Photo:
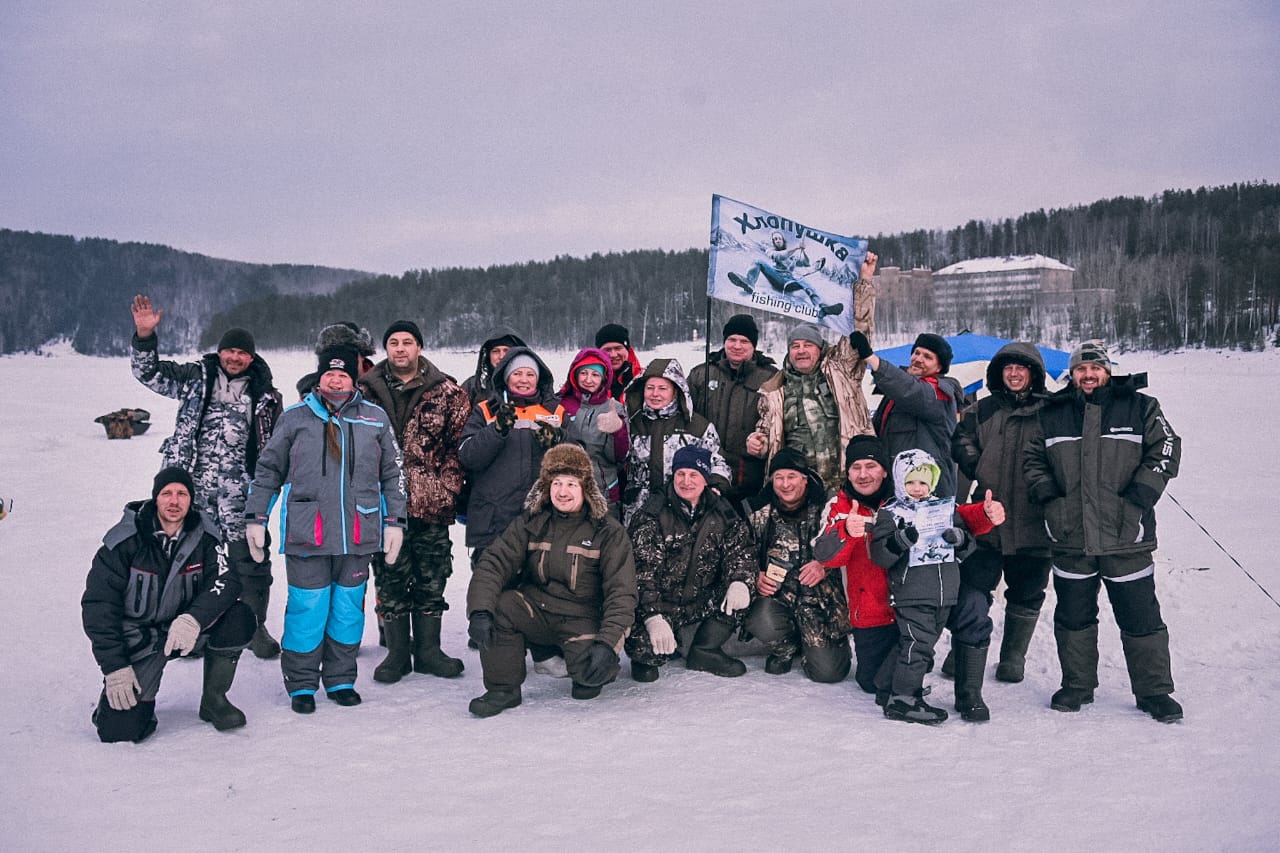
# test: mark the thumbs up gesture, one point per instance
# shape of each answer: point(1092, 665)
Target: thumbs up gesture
point(993, 508)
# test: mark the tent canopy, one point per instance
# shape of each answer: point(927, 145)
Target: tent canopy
point(972, 353)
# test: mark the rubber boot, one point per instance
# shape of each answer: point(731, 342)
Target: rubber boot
point(263, 645)
point(705, 654)
point(1019, 626)
point(971, 665)
point(427, 657)
point(494, 702)
point(398, 663)
point(1150, 675)
point(1078, 657)
point(949, 662)
point(219, 672)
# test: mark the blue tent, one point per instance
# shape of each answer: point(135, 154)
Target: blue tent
point(977, 351)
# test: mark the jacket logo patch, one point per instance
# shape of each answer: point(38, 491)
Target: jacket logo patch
point(713, 384)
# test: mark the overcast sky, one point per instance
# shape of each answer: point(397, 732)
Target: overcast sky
point(391, 136)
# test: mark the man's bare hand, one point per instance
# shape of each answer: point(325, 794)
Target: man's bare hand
point(145, 318)
point(869, 266)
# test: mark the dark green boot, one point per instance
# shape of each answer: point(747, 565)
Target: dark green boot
point(705, 654)
point(398, 663)
point(427, 656)
point(971, 665)
point(1019, 626)
point(219, 672)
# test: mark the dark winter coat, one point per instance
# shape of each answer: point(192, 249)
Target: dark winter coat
point(331, 506)
point(502, 468)
point(729, 397)
point(989, 445)
point(917, 414)
point(568, 564)
point(1099, 467)
point(134, 590)
point(865, 584)
point(428, 415)
point(217, 447)
point(687, 557)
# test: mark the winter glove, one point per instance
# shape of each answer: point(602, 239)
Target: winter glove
point(661, 637)
point(547, 435)
point(903, 538)
point(392, 540)
point(255, 536)
point(505, 418)
point(481, 629)
point(600, 665)
point(737, 597)
point(122, 689)
point(1141, 495)
point(183, 633)
point(953, 536)
point(859, 342)
point(609, 422)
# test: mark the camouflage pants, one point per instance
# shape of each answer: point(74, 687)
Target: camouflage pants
point(797, 628)
point(415, 582)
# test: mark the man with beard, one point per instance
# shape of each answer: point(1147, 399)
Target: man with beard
point(227, 410)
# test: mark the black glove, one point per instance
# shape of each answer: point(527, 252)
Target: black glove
point(505, 418)
point(481, 629)
point(903, 538)
point(953, 536)
point(860, 343)
point(547, 435)
point(600, 666)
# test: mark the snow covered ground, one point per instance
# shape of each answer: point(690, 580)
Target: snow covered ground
point(690, 762)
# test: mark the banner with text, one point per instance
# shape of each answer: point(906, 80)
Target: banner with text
point(775, 263)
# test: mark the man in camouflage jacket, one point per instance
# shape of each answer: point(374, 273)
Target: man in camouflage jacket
point(227, 409)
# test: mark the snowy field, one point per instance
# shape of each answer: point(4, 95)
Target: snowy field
point(691, 762)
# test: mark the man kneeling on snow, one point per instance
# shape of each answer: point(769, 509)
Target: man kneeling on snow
point(161, 585)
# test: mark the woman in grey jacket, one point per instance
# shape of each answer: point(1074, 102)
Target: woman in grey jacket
point(335, 457)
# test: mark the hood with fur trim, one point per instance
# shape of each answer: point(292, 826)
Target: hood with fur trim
point(572, 460)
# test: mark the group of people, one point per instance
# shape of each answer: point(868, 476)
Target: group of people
point(635, 509)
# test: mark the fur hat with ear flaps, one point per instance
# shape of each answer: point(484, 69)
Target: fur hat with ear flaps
point(572, 460)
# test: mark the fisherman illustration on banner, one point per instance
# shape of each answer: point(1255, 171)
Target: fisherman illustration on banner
point(774, 263)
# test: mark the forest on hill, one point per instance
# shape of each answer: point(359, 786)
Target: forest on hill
point(54, 286)
point(1189, 267)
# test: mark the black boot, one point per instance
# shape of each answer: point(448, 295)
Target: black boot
point(219, 672)
point(705, 654)
point(971, 665)
point(398, 663)
point(494, 702)
point(1150, 674)
point(1078, 657)
point(644, 672)
point(258, 596)
point(1019, 625)
point(427, 656)
point(778, 664)
point(913, 709)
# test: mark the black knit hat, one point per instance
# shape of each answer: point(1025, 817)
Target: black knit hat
point(788, 458)
point(866, 447)
point(236, 338)
point(346, 359)
point(612, 333)
point(694, 457)
point(745, 325)
point(402, 326)
point(172, 474)
point(938, 346)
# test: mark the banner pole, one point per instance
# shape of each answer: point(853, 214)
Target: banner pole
point(706, 334)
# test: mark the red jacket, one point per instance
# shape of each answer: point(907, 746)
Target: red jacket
point(865, 583)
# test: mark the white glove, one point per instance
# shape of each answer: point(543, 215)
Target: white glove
point(392, 539)
point(256, 536)
point(608, 422)
point(736, 598)
point(122, 689)
point(183, 633)
point(661, 637)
